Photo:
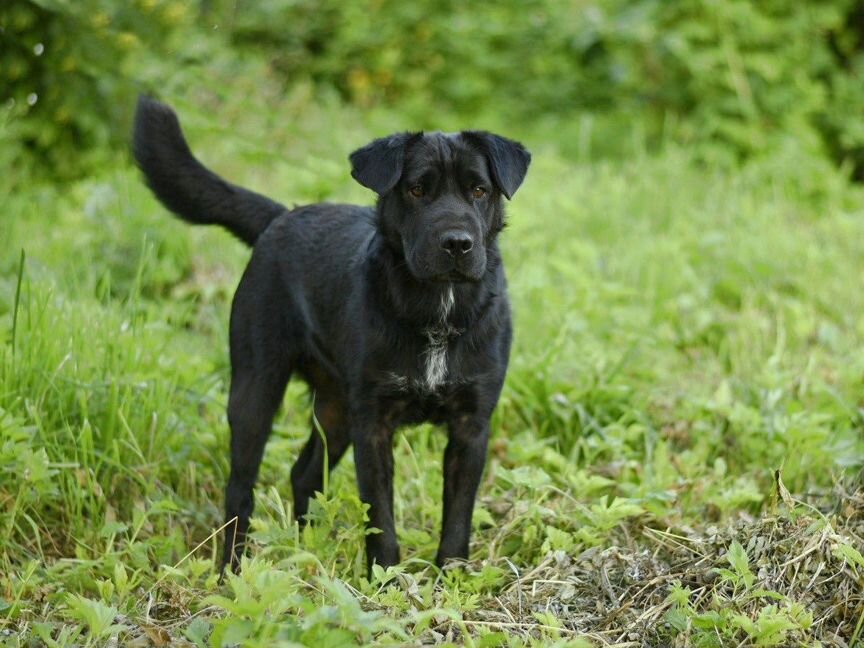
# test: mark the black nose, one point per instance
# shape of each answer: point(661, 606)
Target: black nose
point(456, 243)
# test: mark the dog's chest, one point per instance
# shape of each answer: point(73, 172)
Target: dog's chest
point(434, 357)
point(433, 379)
point(431, 368)
point(414, 403)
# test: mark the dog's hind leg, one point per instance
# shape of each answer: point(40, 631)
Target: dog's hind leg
point(307, 475)
point(255, 397)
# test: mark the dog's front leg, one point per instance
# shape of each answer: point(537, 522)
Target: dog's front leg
point(463, 467)
point(373, 459)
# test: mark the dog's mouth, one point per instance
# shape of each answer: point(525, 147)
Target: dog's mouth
point(453, 276)
point(449, 273)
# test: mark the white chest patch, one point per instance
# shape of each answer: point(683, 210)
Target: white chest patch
point(436, 363)
point(436, 350)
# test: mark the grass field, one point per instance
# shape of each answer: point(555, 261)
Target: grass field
point(688, 340)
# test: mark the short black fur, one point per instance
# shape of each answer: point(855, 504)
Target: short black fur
point(393, 315)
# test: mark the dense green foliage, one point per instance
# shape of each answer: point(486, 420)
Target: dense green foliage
point(733, 79)
point(69, 72)
point(733, 76)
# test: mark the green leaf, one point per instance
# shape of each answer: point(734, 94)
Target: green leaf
point(737, 557)
point(197, 631)
point(96, 615)
point(847, 552)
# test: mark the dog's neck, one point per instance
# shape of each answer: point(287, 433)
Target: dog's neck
point(441, 331)
point(442, 309)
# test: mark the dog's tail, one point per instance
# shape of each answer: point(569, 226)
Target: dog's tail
point(187, 187)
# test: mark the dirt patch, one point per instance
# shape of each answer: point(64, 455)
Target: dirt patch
point(780, 580)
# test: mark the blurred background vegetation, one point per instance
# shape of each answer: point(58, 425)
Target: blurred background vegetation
point(684, 262)
point(732, 79)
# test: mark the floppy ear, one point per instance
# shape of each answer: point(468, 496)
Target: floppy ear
point(378, 165)
point(508, 160)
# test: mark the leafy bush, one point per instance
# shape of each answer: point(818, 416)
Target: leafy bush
point(732, 78)
point(67, 69)
point(841, 122)
point(729, 76)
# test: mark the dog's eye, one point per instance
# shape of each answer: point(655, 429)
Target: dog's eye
point(478, 192)
point(417, 191)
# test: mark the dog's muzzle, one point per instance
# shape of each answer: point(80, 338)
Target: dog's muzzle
point(453, 255)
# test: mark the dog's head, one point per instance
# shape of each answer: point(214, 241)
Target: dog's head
point(440, 196)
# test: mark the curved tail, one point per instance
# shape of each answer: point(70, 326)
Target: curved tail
point(187, 187)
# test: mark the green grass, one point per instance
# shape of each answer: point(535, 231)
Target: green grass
point(681, 333)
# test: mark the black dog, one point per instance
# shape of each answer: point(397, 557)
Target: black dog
point(393, 315)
